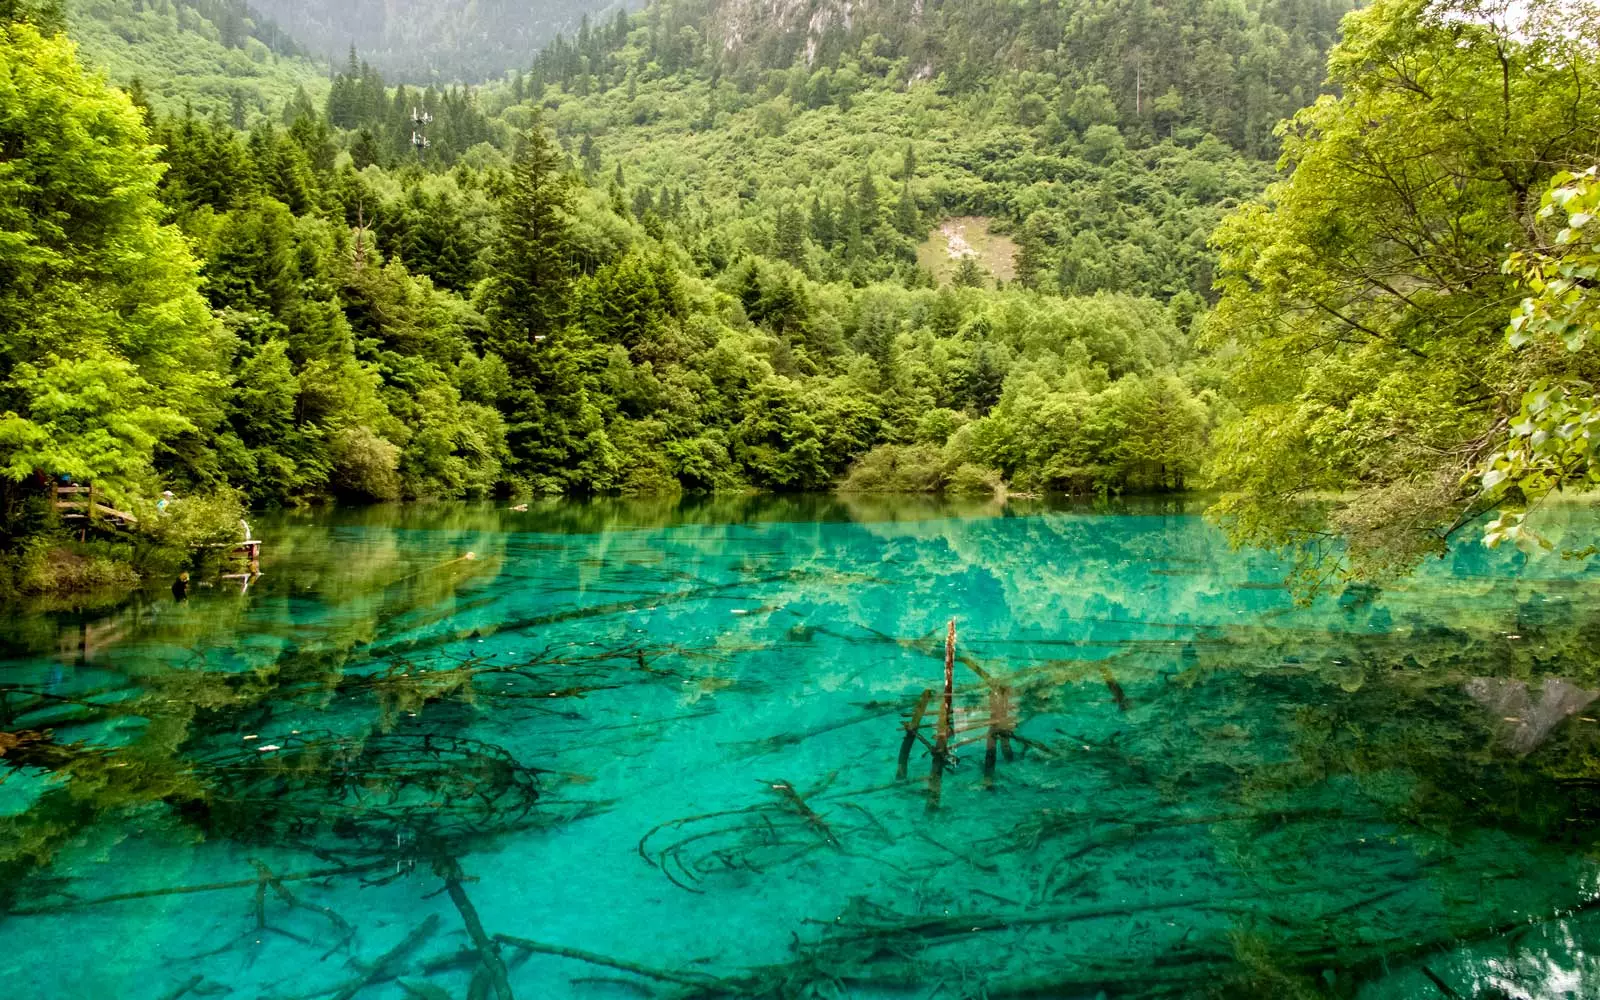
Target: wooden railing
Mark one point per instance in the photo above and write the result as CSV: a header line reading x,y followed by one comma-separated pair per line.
x,y
77,503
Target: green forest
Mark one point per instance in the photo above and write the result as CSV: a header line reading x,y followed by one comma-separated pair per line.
x,y
428,40
1337,265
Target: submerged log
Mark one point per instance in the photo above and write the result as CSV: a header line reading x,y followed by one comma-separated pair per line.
x,y
786,791
494,968
1117,694
284,893
383,969
660,975
184,987
1002,726
178,890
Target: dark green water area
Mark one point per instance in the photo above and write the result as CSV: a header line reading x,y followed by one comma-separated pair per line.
x,y
703,749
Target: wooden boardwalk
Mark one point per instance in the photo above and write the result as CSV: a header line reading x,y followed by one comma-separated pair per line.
x,y
250,549
77,504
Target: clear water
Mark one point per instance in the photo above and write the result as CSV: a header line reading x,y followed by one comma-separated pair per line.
x,y
659,743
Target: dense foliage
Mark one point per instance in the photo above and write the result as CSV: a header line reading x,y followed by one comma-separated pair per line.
x,y
580,319
438,40
1552,441
1366,295
216,56
835,147
107,344
690,249
1152,66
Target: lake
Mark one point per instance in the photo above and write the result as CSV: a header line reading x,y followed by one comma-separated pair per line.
x,y
611,749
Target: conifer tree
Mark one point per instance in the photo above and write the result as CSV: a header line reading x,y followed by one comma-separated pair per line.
x,y
822,224
548,413
527,298
1031,262
867,201
790,236
907,217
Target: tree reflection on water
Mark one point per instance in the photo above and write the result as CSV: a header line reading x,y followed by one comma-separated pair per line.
x,y
679,724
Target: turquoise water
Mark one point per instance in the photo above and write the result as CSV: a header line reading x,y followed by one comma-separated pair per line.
x,y
635,750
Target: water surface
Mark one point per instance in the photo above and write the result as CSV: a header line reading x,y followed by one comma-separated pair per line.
x,y
621,750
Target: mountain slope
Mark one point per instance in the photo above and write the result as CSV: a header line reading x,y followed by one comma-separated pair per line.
x,y
445,40
1242,66
216,56
835,135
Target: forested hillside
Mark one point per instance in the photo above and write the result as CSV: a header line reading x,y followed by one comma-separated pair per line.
x,y
1104,185
689,249
446,41
1233,68
216,56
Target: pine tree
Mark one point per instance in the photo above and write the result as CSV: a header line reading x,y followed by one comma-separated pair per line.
x,y
140,99
547,411
436,241
643,202
968,273
527,299
1031,262
850,231
299,106
590,156
790,239
907,217
823,232
364,150
400,109
867,201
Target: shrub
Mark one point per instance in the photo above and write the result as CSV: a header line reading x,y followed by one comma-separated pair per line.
x,y
366,465
973,480
936,426
70,568
892,468
190,522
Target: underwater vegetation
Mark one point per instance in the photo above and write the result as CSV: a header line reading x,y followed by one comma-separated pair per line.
x,y
807,758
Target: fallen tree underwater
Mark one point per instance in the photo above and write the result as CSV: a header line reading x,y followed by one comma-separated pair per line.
x,y
1059,888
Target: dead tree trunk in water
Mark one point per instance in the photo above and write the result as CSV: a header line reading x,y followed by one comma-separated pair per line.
x,y
1002,724
913,727
941,744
